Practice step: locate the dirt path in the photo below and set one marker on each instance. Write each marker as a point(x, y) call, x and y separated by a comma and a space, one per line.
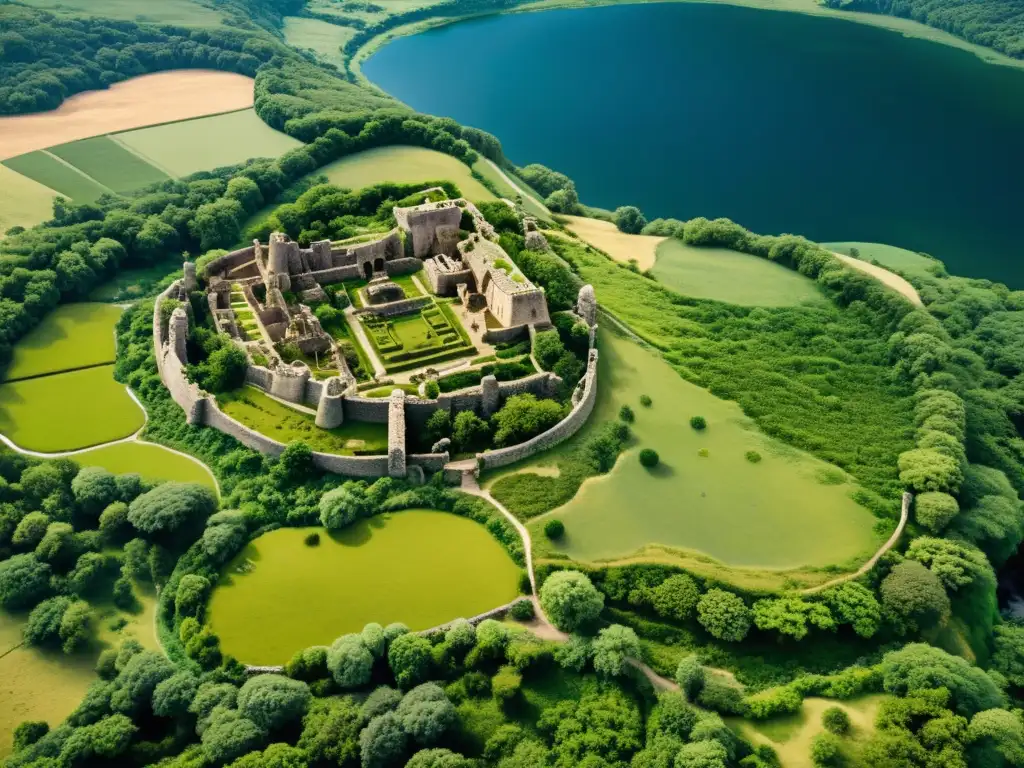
point(884, 276)
point(511, 182)
point(904, 515)
point(142, 101)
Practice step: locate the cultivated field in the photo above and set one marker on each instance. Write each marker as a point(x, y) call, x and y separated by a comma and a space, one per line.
point(418, 567)
point(141, 101)
point(110, 164)
point(182, 13)
point(736, 278)
point(68, 411)
point(403, 165)
point(72, 336)
point(152, 462)
point(270, 417)
point(23, 201)
point(46, 169)
point(787, 511)
point(900, 259)
point(620, 246)
point(185, 147)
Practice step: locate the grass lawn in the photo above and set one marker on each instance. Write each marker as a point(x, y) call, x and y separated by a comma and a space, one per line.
point(44, 168)
point(206, 143)
point(181, 13)
point(72, 336)
point(791, 736)
point(153, 462)
point(68, 411)
point(131, 284)
point(403, 165)
point(323, 38)
point(259, 411)
point(736, 278)
point(23, 202)
point(900, 259)
point(786, 511)
point(418, 567)
point(109, 163)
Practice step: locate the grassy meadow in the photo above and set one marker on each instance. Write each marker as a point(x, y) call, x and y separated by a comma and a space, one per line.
point(153, 462)
point(47, 170)
point(182, 13)
point(110, 164)
point(270, 417)
point(72, 336)
point(68, 411)
point(418, 567)
point(23, 201)
point(724, 275)
point(403, 165)
point(900, 259)
point(620, 246)
point(205, 143)
point(321, 37)
point(786, 511)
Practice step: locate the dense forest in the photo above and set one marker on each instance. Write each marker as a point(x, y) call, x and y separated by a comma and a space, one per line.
point(997, 24)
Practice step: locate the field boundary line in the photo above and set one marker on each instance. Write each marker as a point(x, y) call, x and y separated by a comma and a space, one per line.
point(141, 155)
point(60, 371)
point(74, 168)
point(112, 134)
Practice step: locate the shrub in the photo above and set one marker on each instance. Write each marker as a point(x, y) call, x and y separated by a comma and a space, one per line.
point(171, 507)
point(554, 529)
point(915, 594)
point(649, 458)
point(690, 675)
point(410, 659)
point(753, 457)
point(645, 401)
point(629, 219)
point(724, 615)
point(825, 750)
point(613, 648)
point(626, 414)
point(934, 510)
point(676, 597)
point(836, 720)
point(698, 422)
point(521, 610)
point(273, 701)
point(703, 453)
point(350, 662)
point(570, 600)
point(505, 684)
point(426, 713)
point(431, 389)
point(312, 539)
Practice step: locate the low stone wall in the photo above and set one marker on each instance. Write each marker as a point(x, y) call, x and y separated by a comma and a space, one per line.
point(431, 462)
point(403, 266)
point(505, 335)
point(564, 429)
point(338, 274)
point(394, 308)
point(494, 613)
point(259, 377)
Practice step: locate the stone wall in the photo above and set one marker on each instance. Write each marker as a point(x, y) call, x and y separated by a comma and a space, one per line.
point(505, 335)
point(229, 261)
point(421, 223)
point(394, 308)
point(372, 409)
point(396, 434)
point(259, 376)
point(558, 433)
point(337, 275)
point(430, 462)
point(289, 383)
point(403, 266)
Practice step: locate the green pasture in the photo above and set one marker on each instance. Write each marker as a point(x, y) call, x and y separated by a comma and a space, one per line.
point(272, 418)
point(206, 143)
point(182, 13)
point(72, 336)
point(46, 169)
point(110, 164)
point(23, 202)
point(68, 411)
point(786, 511)
point(403, 165)
point(153, 462)
point(321, 37)
point(419, 567)
point(135, 282)
point(900, 259)
point(730, 276)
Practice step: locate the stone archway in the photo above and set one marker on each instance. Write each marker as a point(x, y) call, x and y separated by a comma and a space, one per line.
point(378, 265)
point(367, 270)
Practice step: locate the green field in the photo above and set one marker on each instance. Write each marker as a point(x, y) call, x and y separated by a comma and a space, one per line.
point(207, 142)
point(72, 336)
point(183, 13)
point(321, 37)
point(788, 510)
point(403, 165)
point(23, 202)
point(135, 282)
point(736, 278)
point(109, 163)
point(906, 262)
point(68, 411)
point(45, 169)
point(259, 411)
point(153, 462)
point(418, 567)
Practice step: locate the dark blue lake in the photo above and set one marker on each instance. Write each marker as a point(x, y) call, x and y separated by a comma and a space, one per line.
point(780, 121)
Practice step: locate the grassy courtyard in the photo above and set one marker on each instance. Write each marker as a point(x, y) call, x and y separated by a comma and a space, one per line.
point(419, 567)
point(68, 411)
point(736, 278)
point(72, 336)
point(420, 338)
point(270, 417)
point(786, 511)
point(153, 462)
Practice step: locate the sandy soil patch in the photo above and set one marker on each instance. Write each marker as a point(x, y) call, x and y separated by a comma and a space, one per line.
point(618, 245)
point(891, 279)
point(136, 103)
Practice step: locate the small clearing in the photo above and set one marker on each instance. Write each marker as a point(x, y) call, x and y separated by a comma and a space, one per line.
point(622, 247)
point(146, 100)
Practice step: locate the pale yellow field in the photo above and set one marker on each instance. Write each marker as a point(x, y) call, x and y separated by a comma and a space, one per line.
point(23, 201)
point(135, 103)
point(622, 247)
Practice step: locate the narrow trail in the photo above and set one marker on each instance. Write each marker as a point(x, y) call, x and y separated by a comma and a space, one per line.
point(884, 276)
point(508, 180)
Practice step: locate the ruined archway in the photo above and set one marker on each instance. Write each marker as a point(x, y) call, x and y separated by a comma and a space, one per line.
point(367, 270)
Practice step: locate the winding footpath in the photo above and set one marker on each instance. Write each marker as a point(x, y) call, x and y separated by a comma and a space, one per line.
point(509, 180)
